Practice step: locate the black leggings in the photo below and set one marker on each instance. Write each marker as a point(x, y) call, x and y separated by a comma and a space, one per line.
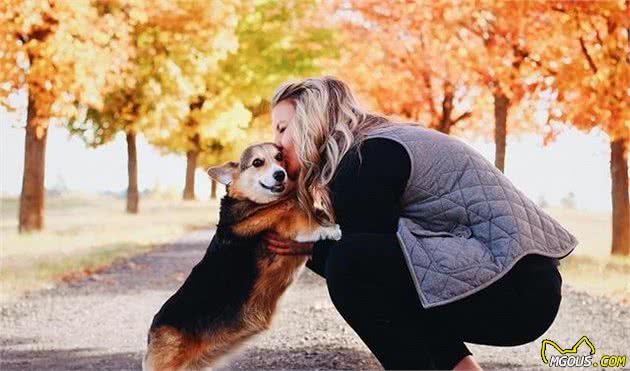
point(372, 289)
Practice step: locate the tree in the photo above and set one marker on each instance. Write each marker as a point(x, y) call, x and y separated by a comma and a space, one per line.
point(436, 57)
point(218, 113)
point(589, 74)
point(62, 53)
point(182, 83)
point(175, 45)
point(97, 127)
point(502, 40)
point(400, 56)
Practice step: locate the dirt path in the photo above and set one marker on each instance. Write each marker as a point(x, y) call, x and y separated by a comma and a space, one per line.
point(100, 323)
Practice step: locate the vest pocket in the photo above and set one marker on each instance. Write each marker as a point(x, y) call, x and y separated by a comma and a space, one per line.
point(452, 251)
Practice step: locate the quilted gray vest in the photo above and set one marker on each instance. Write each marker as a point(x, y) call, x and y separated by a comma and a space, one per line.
point(463, 223)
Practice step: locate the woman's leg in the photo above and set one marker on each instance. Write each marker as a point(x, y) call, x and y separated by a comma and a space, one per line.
point(370, 285)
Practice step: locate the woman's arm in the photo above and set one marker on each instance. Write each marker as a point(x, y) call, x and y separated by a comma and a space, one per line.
point(366, 194)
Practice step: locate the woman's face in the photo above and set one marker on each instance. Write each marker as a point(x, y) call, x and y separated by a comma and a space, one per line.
point(282, 124)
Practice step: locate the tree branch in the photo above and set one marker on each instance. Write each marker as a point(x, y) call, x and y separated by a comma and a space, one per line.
point(597, 35)
point(463, 116)
point(588, 57)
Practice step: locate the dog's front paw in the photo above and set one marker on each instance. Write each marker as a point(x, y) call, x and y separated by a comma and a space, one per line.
point(331, 233)
point(321, 233)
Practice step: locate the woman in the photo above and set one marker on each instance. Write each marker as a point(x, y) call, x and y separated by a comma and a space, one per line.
point(438, 247)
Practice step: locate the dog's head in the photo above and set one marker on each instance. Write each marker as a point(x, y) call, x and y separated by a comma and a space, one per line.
point(260, 176)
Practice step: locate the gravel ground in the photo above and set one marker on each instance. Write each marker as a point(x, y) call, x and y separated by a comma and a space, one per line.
point(101, 322)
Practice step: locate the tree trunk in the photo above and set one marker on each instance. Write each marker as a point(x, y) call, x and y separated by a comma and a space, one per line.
point(620, 203)
point(213, 190)
point(132, 174)
point(446, 122)
point(501, 105)
point(444, 126)
point(31, 215)
point(191, 167)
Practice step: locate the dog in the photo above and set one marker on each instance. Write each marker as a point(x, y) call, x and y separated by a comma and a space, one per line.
point(232, 293)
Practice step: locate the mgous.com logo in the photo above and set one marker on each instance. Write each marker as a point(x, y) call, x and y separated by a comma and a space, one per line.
point(570, 358)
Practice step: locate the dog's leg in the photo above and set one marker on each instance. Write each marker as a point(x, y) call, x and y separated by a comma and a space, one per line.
point(170, 350)
point(320, 233)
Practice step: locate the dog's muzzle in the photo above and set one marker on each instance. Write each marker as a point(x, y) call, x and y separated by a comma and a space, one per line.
point(277, 188)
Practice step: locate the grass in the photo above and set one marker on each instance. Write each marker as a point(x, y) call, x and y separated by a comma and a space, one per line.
point(83, 235)
point(590, 267)
point(599, 276)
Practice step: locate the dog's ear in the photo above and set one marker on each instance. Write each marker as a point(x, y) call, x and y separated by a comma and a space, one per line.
point(225, 173)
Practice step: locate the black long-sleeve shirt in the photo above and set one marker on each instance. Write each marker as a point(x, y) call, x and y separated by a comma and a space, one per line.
point(366, 192)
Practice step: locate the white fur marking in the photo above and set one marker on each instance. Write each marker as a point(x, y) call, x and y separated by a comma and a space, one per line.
point(320, 233)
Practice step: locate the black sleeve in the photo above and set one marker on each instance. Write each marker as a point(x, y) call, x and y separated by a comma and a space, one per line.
point(366, 192)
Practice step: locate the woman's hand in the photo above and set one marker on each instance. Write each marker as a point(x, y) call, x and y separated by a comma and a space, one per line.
point(283, 246)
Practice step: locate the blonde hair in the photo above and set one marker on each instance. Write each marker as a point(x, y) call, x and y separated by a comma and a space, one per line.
point(328, 122)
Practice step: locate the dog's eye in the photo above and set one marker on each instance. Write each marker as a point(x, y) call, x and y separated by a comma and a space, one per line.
point(257, 163)
point(281, 130)
point(279, 156)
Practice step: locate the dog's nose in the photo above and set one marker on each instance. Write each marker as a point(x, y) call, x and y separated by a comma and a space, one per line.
point(278, 175)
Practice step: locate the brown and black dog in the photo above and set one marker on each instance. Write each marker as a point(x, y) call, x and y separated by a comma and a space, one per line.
point(232, 293)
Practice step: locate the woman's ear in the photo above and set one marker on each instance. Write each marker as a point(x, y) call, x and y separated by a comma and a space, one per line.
point(225, 173)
